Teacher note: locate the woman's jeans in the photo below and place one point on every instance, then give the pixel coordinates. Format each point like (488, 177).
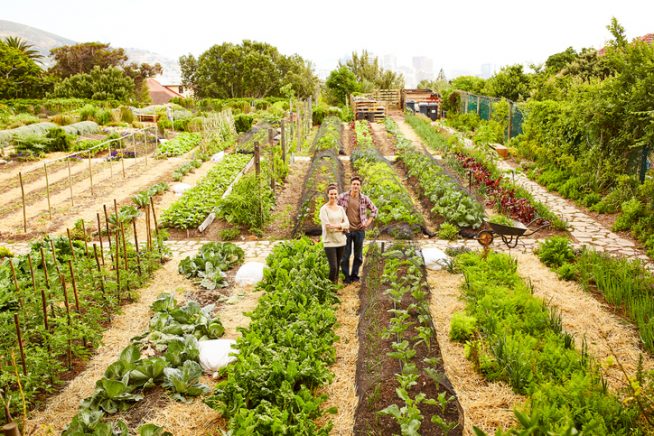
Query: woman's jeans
(334, 255)
(353, 239)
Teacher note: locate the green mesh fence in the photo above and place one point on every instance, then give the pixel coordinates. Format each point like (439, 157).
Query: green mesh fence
(517, 116)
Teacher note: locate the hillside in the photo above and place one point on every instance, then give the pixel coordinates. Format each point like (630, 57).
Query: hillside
(44, 41)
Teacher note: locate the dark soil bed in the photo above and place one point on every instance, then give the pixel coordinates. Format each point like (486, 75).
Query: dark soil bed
(375, 377)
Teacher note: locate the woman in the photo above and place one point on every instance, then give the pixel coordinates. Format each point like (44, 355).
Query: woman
(334, 225)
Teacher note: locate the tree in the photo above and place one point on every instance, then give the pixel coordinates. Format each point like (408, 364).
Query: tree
(558, 61)
(370, 74)
(510, 82)
(100, 84)
(469, 83)
(20, 76)
(82, 58)
(251, 69)
(16, 42)
(340, 84)
(138, 73)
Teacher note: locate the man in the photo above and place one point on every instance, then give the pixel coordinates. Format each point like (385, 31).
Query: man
(356, 207)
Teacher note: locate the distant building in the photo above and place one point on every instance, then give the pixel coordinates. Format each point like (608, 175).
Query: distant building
(161, 94)
(649, 38)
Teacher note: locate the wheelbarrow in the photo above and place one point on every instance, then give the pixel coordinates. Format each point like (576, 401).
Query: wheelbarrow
(509, 234)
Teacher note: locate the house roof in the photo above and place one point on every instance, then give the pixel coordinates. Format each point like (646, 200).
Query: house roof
(649, 38)
(159, 93)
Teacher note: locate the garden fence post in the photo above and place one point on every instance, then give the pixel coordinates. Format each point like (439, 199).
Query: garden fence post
(148, 235)
(10, 429)
(271, 140)
(122, 156)
(67, 305)
(111, 162)
(122, 235)
(22, 192)
(257, 158)
(47, 188)
(117, 265)
(283, 140)
(74, 282)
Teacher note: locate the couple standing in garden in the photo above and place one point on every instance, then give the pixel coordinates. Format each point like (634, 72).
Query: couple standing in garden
(344, 219)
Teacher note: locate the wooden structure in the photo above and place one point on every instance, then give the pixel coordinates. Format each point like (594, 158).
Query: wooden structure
(147, 118)
(418, 99)
(390, 97)
(366, 108)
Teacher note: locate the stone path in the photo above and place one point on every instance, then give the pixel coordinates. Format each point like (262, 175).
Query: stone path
(586, 230)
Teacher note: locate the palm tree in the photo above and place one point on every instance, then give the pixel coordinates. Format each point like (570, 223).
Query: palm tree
(18, 43)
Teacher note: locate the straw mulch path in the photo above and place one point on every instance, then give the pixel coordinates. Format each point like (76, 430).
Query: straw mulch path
(342, 391)
(488, 406)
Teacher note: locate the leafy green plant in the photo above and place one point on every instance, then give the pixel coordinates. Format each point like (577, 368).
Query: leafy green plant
(229, 234)
(555, 251)
(462, 327)
(182, 143)
(448, 231)
(212, 260)
(5, 252)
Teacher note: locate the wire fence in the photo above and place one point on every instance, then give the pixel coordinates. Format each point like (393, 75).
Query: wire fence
(483, 106)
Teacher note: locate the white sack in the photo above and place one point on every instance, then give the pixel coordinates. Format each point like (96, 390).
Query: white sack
(250, 273)
(435, 259)
(214, 354)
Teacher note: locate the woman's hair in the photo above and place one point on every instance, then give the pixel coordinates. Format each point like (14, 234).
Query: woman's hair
(332, 186)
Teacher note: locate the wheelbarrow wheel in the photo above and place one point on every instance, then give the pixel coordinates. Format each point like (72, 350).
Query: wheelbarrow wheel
(485, 238)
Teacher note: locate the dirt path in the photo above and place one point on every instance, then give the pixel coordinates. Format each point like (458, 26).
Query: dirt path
(342, 391)
(384, 145)
(585, 317)
(488, 406)
(87, 205)
(287, 202)
(10, 170)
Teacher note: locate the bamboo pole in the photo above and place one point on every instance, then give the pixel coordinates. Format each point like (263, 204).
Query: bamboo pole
(70, 183)
(122, 233)
(44, 307)
(54, 257)
(47, 188)
(22, 193)
(20, 343)
(148, 236)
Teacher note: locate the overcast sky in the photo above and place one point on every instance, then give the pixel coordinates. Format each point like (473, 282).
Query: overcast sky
(458, 35)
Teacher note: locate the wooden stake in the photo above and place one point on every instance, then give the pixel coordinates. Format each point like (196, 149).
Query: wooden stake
(156, 229)
(10, 429)
(257, 158)
(70, 243)
(54, 257)
(22, 193)
(20, 343)
(86, 244)
(69, 351)
(106, 223)
(70, 183)
(29, 262)
(47, 280)
(136, 246)
(100, 238)
(13, 275)
(122, 157)
(148, 235)
(74, 282)
(97, 262)
(47, 188)
(122, 233)
(44, 306)
(283, 133)
(117, 265)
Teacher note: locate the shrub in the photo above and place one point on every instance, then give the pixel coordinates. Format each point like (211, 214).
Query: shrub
(462, 327)
(59, 140)
(103, 116)
(126, 114)
(567, 271)
(631, 211)
(229, 234)
(243, 122)
(63, 119)
(555, 251)
(88, 113)
(448, 231)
